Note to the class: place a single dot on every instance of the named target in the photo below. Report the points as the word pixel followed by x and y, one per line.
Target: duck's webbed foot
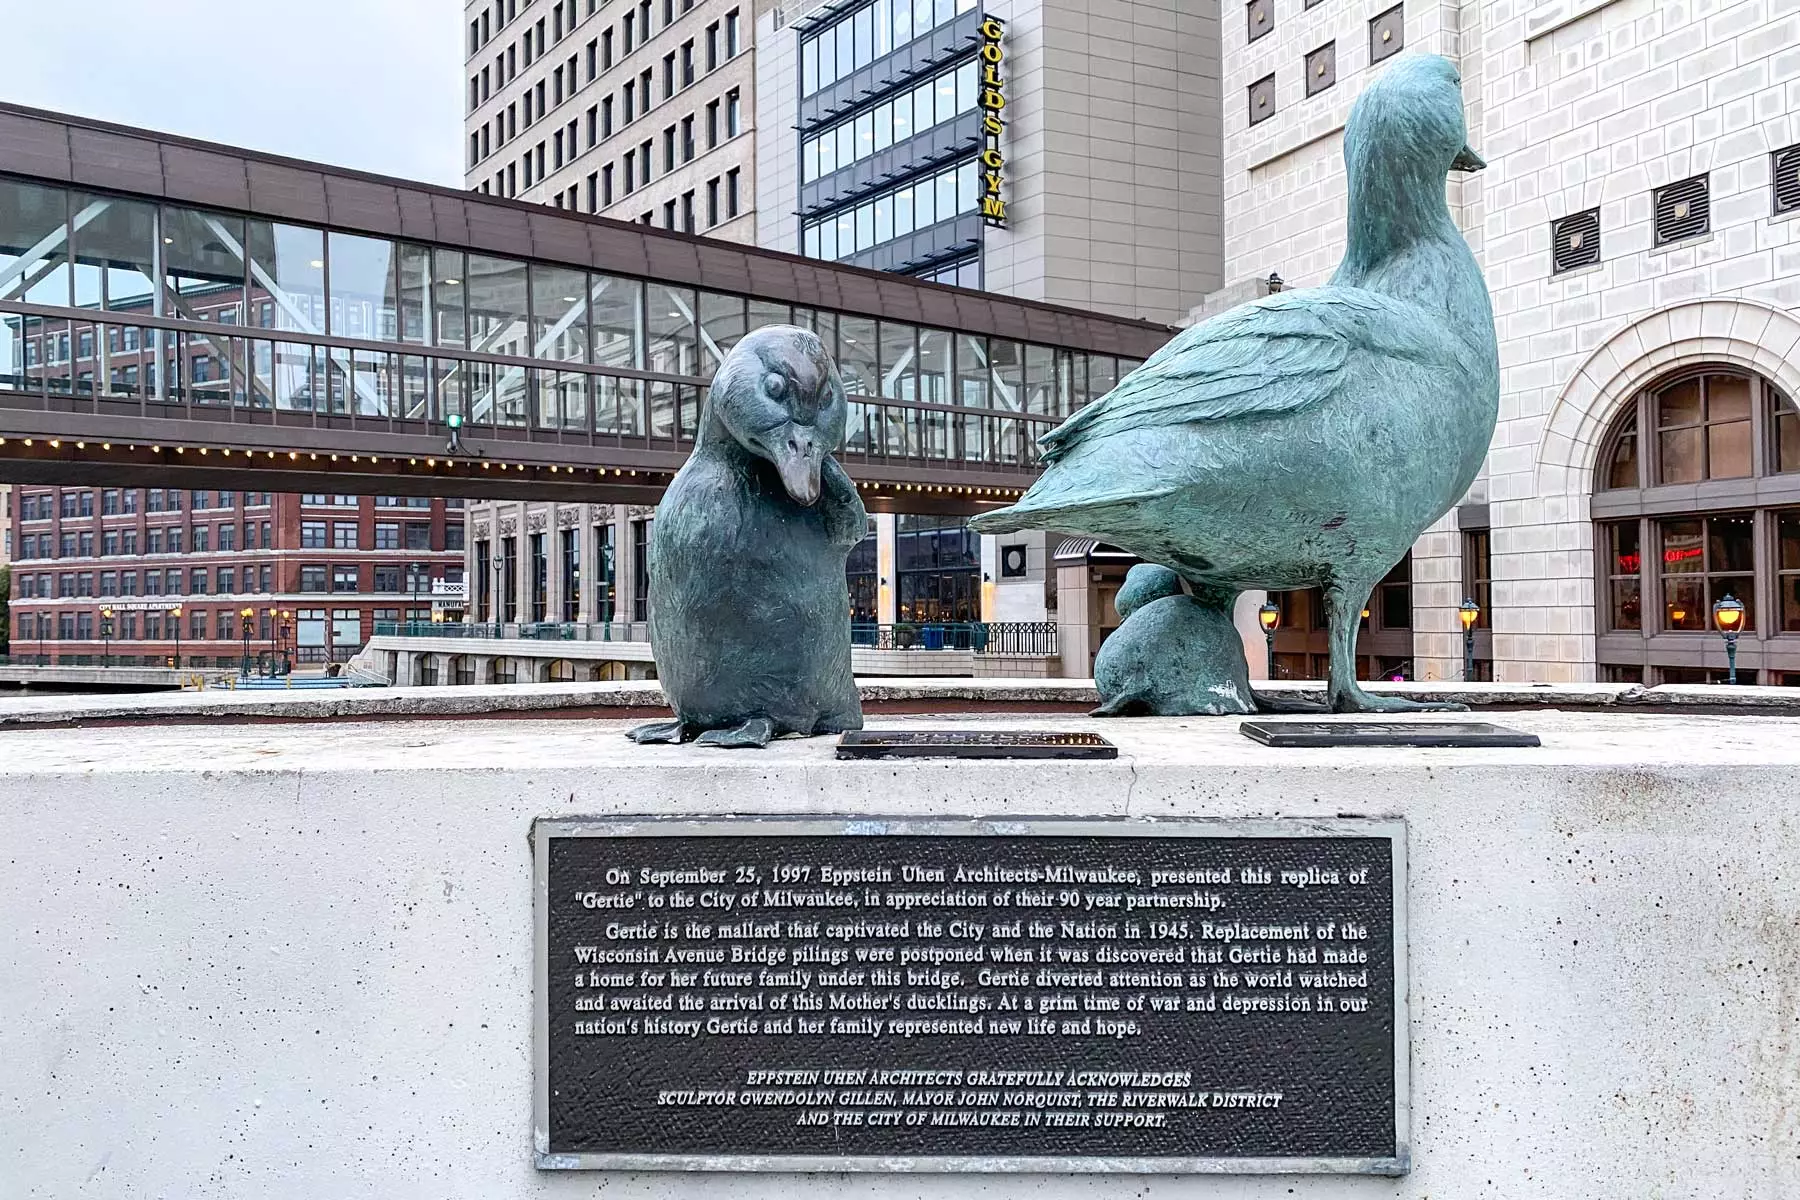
pixel 755 733
pixel 1344 602
pixel 1352 699
pixel 660 733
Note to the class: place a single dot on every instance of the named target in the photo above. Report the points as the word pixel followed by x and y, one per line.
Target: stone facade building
pixel 1636 224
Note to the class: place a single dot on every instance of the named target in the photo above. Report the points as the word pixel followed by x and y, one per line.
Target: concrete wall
pixel 290 961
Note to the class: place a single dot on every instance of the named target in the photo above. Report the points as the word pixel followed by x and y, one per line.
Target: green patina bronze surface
pixel 1307 438
pixel 749 609
pixel 1175 655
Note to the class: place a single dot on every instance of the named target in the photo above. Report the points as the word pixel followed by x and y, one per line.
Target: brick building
pixel 163 570
pixel 1636 224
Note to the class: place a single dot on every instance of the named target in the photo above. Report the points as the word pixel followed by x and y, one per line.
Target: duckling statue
pixel 1175 654
pixel 1308 438
pixel 749 608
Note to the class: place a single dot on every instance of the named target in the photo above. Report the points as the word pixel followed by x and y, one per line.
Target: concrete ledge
pixel 290 962
pixel 959 693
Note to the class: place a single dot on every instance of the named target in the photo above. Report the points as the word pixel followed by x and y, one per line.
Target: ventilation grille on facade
pixel 1575 241
pixel 1787 179
pixel 1682 210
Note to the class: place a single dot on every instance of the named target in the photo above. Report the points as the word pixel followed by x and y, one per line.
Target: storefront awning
pixel 1085 550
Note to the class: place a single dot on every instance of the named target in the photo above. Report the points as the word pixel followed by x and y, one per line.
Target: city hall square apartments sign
pixel 1041 995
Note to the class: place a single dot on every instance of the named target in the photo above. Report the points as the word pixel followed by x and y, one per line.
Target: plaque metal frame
pixel 544 829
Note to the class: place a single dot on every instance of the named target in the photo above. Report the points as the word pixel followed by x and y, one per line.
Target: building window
pixel 606 576
pixel 1667 556
pixel 1478 574
pixel 640 569
pixel 1321 68
pixel 344 579
pixel 509 580
pixel 571 574
pixel 937 570
pixel 1575 241
pixel 1387 33
pixel 1262 99
pixel 1259 18
pixel 1703 560
pixel 1785 168
pixel 861 575
pixel 1683 210
pixel 484 583
pixel 343 535
pixel 731 113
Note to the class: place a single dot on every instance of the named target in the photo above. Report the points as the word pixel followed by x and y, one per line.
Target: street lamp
pixel 175 616
pixel 1469 613
pixel 106 632
pixel 247 618
pixel 1269 616
pixel 287 641
pixel 1728 615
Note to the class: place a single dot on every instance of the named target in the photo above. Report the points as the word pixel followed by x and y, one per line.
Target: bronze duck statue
pixel 1308 438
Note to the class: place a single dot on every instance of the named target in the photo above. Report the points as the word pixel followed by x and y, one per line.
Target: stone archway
pixel 1744 333
pixel 1544 587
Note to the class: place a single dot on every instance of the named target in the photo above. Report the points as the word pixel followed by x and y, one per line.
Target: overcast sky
pixel 370 84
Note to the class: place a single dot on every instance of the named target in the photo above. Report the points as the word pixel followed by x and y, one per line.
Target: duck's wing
pixel 1272 356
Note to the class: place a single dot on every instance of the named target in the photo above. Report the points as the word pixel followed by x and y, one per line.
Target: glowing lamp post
pixel 1269 616
pixel 1728 615
pixel 106 632
pixel 247 626
pixel 175 617
pixel 1468 614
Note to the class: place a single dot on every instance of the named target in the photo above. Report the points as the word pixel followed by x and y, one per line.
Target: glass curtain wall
pixel 299 319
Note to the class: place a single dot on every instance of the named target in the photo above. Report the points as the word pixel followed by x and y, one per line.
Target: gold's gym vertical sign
pixel 993 99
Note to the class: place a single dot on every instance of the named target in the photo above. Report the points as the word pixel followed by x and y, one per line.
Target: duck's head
pixel 778 395
pixel 1409 120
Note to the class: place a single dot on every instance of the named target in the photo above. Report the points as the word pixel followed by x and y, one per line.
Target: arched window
pixel 1697 497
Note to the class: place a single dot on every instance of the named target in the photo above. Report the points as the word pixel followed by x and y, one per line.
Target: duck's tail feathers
pixel 1092 516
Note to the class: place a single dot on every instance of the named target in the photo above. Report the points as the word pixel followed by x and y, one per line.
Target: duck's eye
pixel 775 385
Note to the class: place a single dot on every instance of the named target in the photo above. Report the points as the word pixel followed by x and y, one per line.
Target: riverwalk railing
pixel 1028 638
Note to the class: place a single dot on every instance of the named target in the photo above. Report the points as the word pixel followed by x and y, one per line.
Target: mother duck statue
pixel 1308 438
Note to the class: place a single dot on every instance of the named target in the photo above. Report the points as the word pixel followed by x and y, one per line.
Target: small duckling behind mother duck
pixel 749 608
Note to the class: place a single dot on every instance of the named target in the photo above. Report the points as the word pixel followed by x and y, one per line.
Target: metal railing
pixel 542 631
pixel 1037 638
pixel 271 379
pixel 1031 638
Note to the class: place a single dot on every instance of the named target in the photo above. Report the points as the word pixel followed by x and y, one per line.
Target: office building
pixel 1637 226
pixel 1039 149
pixel 637 111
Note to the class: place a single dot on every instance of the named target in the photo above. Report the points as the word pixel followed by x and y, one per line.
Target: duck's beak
pixel 798 456
pixel 1467 160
